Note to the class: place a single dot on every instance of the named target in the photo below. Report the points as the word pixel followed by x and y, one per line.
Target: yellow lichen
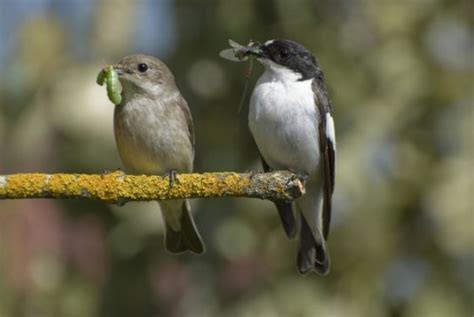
pixel 23 185
pixel 118 187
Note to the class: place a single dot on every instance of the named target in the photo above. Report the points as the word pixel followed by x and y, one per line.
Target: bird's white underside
pixel 284 119
pixel 276 71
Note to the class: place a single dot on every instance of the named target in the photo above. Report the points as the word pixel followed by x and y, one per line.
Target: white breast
pixel 284 119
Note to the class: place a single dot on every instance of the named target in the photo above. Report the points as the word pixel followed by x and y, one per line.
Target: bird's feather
pixel 183 106
pixel 312 254
pixel 285 210
pixel 327 142
pixel 187 236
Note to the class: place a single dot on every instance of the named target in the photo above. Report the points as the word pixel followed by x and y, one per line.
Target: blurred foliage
pixel 400 75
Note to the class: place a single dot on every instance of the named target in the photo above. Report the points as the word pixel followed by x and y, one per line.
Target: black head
pixel 289 54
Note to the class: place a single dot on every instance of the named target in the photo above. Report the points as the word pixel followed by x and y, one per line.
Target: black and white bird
pixel 291 122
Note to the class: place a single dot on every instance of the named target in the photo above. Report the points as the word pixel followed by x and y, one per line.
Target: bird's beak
pixel 255 49
pixel 252 49
pixel 121 70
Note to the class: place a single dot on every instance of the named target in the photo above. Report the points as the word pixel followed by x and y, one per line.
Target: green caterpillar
pixel 114 88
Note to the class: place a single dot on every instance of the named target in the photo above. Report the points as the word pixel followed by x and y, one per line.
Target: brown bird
pixel 154 135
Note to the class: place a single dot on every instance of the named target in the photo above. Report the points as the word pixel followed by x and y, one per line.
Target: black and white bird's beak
pixel 256 49
pixel 240 52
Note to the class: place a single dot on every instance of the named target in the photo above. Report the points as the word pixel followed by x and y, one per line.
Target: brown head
pixel 145 74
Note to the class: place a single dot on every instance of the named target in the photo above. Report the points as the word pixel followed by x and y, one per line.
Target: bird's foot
pixel 302 176
pixel 107 172
pixel 173 176
pixel 252 173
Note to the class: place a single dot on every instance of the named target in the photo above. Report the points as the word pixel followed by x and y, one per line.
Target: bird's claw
pixel 252 173
pixel 304 177
pixel 106 172
pixel 173 177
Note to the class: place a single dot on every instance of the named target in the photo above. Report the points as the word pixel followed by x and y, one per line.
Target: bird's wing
pixel 183 105
pixel 327 142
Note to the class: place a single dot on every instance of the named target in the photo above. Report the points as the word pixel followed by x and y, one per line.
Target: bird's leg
pixel 106 172
pixel 252 173
pixel 255 172
pixel 173 175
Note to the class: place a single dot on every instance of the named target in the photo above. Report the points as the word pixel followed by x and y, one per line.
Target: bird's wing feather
pixel 327 140
pixel 183 105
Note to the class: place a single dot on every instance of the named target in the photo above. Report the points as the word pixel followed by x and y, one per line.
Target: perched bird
pixel 154 135
pixel 290 120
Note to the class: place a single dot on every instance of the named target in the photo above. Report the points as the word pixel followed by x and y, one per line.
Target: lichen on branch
pixel 119 188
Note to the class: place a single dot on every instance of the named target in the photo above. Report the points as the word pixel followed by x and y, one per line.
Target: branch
pixel 120 188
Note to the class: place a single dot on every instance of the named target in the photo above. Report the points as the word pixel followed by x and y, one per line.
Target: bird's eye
pixel 142 67
pixel 284 54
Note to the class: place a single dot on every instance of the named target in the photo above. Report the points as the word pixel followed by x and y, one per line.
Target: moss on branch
pixel 117 187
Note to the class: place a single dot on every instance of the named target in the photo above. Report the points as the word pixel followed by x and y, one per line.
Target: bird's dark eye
pixel 284 54
pixel 142 67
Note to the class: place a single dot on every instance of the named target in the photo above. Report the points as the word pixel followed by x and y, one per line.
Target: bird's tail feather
pixel 187 238
pixel 287 217
pixel 312 253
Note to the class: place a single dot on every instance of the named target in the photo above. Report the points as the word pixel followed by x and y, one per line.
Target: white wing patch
pixel 268 42
pixel 330 130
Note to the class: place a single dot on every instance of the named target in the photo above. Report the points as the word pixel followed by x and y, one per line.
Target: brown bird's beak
pixel 120 69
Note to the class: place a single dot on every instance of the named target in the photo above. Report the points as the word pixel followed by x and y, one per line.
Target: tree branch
pixel 120 188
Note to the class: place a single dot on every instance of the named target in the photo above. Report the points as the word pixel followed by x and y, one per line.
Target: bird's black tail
pixel 188 237
pixel 285 210
pixel 312 253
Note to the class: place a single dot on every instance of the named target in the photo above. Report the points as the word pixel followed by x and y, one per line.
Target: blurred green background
pixel 400 75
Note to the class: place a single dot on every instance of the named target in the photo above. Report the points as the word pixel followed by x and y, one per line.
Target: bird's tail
pixel 181 231
pixel 312 253
pixel 287 217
